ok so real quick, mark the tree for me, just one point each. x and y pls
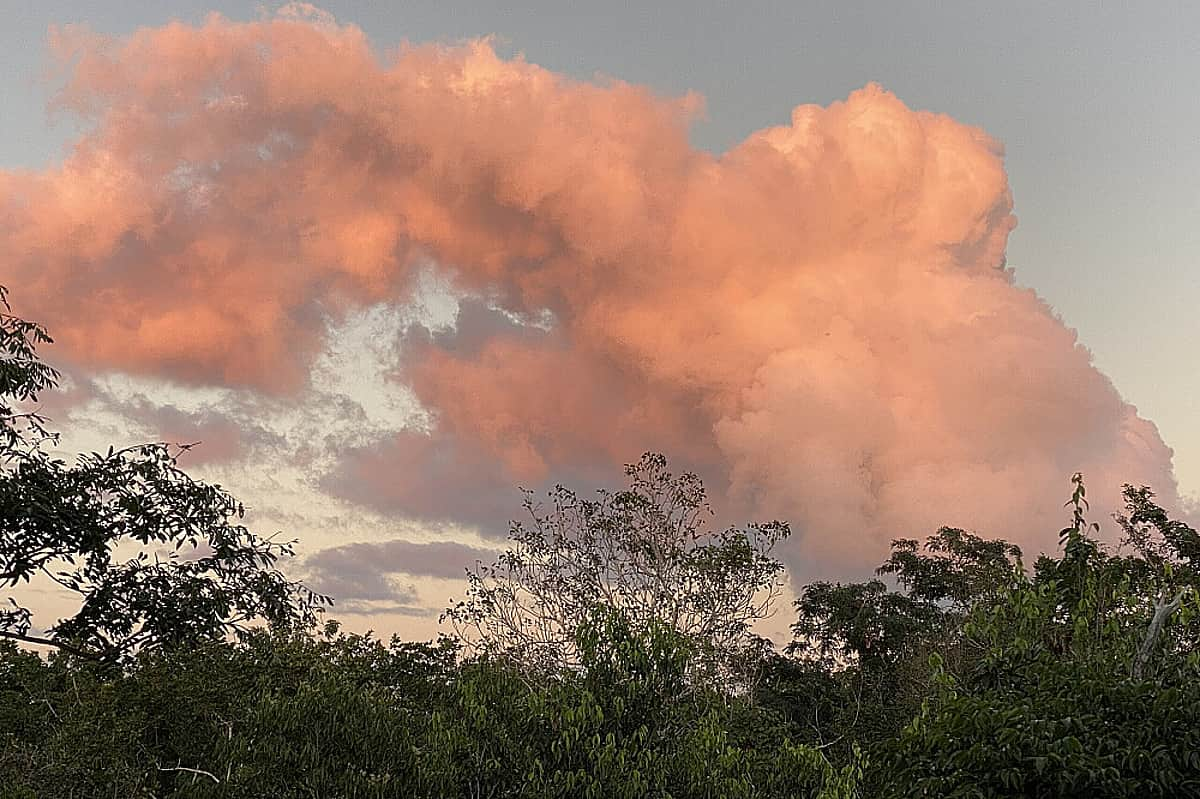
(1167, 562)
(643, 551)
(22, 377)
(859, 669)
(872, 625)
(287, 715)
(1087, 681)
(197, 573)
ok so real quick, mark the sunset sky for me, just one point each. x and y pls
(389, 261)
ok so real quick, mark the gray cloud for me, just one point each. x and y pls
(362, 569)
(363, 579)
(358, 608)
(429, 477)
(476, 324)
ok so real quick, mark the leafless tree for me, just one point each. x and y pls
(644, 551)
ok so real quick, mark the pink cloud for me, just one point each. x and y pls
(818, 318)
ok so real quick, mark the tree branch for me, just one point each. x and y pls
(33, 639)
(208, 774)
(1162, 610)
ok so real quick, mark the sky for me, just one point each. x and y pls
(386, 284)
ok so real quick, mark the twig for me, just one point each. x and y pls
(202, 772)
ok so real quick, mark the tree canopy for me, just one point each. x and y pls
(154, 557)
(644, 551)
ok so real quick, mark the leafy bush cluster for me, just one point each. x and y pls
(608, 653)
(340, 715)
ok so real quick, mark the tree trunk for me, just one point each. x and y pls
(1162, 610)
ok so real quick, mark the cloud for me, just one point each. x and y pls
(209, 434)
(426, 477)
(350, 580)
(363, 577)
(819, 319)
(442, 559)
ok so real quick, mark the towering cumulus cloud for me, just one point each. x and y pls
(818, 319)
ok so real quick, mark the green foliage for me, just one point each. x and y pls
(628, 724)
(1088, 682)
(288, 715)
(858, 672)
(1072, 732)
(23, 377)
(956, 570)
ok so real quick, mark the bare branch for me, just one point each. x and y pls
(199, 771)
(1162, 611)
(33, 639)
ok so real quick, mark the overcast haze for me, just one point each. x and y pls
(1093, 109)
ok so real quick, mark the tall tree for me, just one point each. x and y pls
(195, 573)
(644, 551)
(858, 667)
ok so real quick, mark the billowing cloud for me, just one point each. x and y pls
(819, 319)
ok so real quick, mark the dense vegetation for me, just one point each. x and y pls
(608, 653)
